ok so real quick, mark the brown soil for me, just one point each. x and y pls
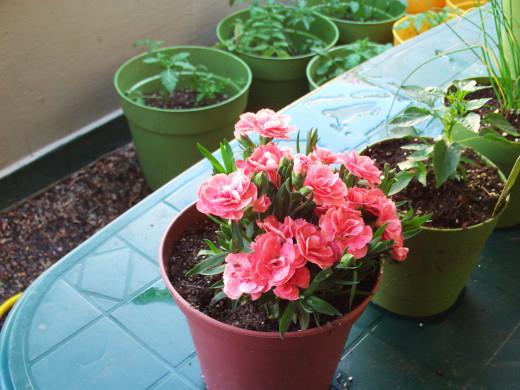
(456, 204)
(493, 106)
(38, 231)
(247, 314)
(182, 99)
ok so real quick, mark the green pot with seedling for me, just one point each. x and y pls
(177, 96)
(498, 103)
(462, 192)
(358, 19)
(327, 65)
(277, 41)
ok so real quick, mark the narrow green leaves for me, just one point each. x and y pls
(208, 266)
(321, 306)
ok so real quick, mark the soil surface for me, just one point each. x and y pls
(457, 204)
(38, 231)
(196, 291)
(182, 99)
(493, 106)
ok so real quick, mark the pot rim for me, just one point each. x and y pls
(163, 259)
(452, 230)
(277, 59)
(478, 79)
(310, 76)
(234, 97)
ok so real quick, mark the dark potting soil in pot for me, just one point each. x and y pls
(456, 204)
(182, 99)
(493, 105)
(195, 289)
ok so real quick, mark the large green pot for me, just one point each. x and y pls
(166, 139)
(504, 154)
(438, 266)
(278, 81)
(377, 31)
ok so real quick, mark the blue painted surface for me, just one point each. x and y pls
(82, 324)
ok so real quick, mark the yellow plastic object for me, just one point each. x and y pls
(7, 305)
(465, 4)
(418, 6)
(403, 34)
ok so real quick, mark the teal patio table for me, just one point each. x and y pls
(99, 318)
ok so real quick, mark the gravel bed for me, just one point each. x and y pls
(40, 230)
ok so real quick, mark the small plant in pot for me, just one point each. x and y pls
(174, 97)
(277, 42)
(463, 192)
(333, 63)
(358, 19)
(498, 95)
(290, 247)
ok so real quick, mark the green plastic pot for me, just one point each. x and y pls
(377, 31)
(166, 139)
(277, 82)
(438, 266)
(317, 61)
(504, 154)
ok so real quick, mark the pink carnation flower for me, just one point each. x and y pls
(226, 196)
(367, 199)
(286, 230)
(239, 277)
(314, 247)
(289, 290)
(324, 156)
(265, 122)
(361, 166)
(346, 228)
(265, 158)
(261, 204)
(328, 188)
(275, 259)
(301, 164)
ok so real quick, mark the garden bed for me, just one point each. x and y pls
(38, 231)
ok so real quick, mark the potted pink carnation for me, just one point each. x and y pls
(279, 257)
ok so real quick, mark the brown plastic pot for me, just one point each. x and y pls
(233, 358)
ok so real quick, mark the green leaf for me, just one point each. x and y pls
(446, 158)
(421, 173)
(303, 317)
(169, 79)
(412, 116)
(321, 306)
(470, 122)
(420, 155)
(217, 297)
(217, 166)
(475, 104)
(501, 123)
(403, 179)
(207, 264)
(508, 186)
(286, 318)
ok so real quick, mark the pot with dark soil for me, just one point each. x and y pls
(277, 41)
(461, 191)
(279, 257)
(175, 97)
(359, 19)
(499, 134)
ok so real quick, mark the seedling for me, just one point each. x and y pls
(362, 10)
(426, 20)
(274, 30)
(177, 72)
(332, 65)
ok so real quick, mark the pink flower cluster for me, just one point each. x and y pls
(283, 253)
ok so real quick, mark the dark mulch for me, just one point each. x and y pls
(455, 204)
(244, 314)
(38, 231)
(182, 99)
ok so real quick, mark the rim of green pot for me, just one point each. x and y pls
(316, 58)
(303, 56)
(478, 79)
(338, 20)
(445, 230)
(235, 96)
